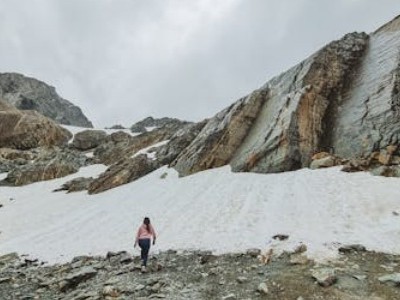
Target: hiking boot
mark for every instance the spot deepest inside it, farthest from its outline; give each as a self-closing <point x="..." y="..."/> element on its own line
<point x="143" y="269"/>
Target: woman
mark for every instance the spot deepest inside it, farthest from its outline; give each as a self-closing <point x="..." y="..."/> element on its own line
<point x="143" y="238"/>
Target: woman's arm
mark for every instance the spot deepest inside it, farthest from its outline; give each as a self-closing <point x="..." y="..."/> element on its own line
<point x="153" y="232"/>
<point x="137" y="237"/>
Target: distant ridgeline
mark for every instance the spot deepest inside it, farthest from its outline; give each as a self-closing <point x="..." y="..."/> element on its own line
<point x="27" y="93"/>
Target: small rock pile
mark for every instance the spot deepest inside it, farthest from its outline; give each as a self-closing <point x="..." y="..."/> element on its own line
<point x="379" y="163"/>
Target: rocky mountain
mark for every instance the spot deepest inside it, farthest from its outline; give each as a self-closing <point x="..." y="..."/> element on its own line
<point x="340" y="106"/>
<point x="344" y="100"/>
<point x="27" y="93"/>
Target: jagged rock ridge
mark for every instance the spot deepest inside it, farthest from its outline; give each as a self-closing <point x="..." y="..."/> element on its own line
<point x="27" y="93"/>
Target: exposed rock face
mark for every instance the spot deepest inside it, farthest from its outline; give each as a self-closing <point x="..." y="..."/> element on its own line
<point x="76" y="185"/>
<point x="127" y="165"/>
<point x="369" y="115"/>
<point x="49" y="164"/>
<point x="158" y="123"/>
<point x="29" y="129"/>
<point x="178" y="142"/>
<point x="27" y="93"/>
<point x="294" y="122"/>
<point x="123" y="172"/>
<point x="280" y="126"/>
<point x="89" y="139"/>
<point x="221" y="136"/>
<point x="121" y="145"/>
<point x="344" y="100"/>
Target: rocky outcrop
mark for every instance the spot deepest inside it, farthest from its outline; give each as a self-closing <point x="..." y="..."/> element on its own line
<point x="127" y="164"/>
<point x="121" y="145"/>
<point x="123" y="172"/>
<point x="178" y="142"/>
<point x="27" y="93"/>
<point x="29" y="129"/>
<point x="217" y="142"/>
<point x="150" y="122"/>
<point x="294" y="122"/>
<point x="49" y="164"/>
<point x="343" y="100"/>
<point x="280" y="126"/>
<point x="88" y="139"/>
<point x="76" y="185"/>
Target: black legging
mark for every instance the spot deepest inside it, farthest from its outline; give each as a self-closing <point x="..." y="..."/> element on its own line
<point x="144" y="244"/>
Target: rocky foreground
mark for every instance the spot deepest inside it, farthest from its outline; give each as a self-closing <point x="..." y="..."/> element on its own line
<point x="358" y="274"/>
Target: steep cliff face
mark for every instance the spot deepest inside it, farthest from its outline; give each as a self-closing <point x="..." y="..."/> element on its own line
<point x="27" y="93"/>
<point x="369" y="117"/>
<point x="281" y="125"/>
<point x="344" y="99"/>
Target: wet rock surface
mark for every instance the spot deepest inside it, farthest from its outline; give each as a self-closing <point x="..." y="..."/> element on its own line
<point x="187" y="275"/>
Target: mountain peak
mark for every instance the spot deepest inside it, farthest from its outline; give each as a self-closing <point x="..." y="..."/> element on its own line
<point x="27" y="93"/>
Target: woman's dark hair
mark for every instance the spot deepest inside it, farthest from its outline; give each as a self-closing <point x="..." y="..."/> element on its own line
<point x="146" y="222"/>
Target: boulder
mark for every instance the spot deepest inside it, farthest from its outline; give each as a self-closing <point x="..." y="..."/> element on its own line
<point x="35" y="173"/>
<point x="298" y="259"/>
<point x="356" y="165"/>
<point x="74" y="279"/>
<point x="263" y="288"/>
<point x="76" y="185"/>
<point x="326" y="162"/>
<point x="28" y="129"/>
<point x="386" y="171"/>
<point x="352" y="248"/>
<point x="50" y="164"/>
<point x="324" y="276"/>
<point x="119" y="136"/>
<point x="88" y="139"/>
<point x="123" y="172"/>
<point x="320" y="155"/>
<point x="393" y="278"/>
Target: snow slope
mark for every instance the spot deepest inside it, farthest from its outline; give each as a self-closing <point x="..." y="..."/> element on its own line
<point x="216" y="209"/>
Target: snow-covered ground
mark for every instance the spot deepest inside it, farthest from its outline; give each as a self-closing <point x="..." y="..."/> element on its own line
<point x="216" y="209"/>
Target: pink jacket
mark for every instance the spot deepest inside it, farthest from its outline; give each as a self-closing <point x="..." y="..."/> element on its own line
<point x="144" y="234"/>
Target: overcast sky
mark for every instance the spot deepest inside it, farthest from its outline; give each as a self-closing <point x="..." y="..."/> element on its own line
<point x="123" y="60"/>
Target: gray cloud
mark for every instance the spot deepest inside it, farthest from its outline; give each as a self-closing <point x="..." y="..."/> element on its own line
<point x="122" y="60"/>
